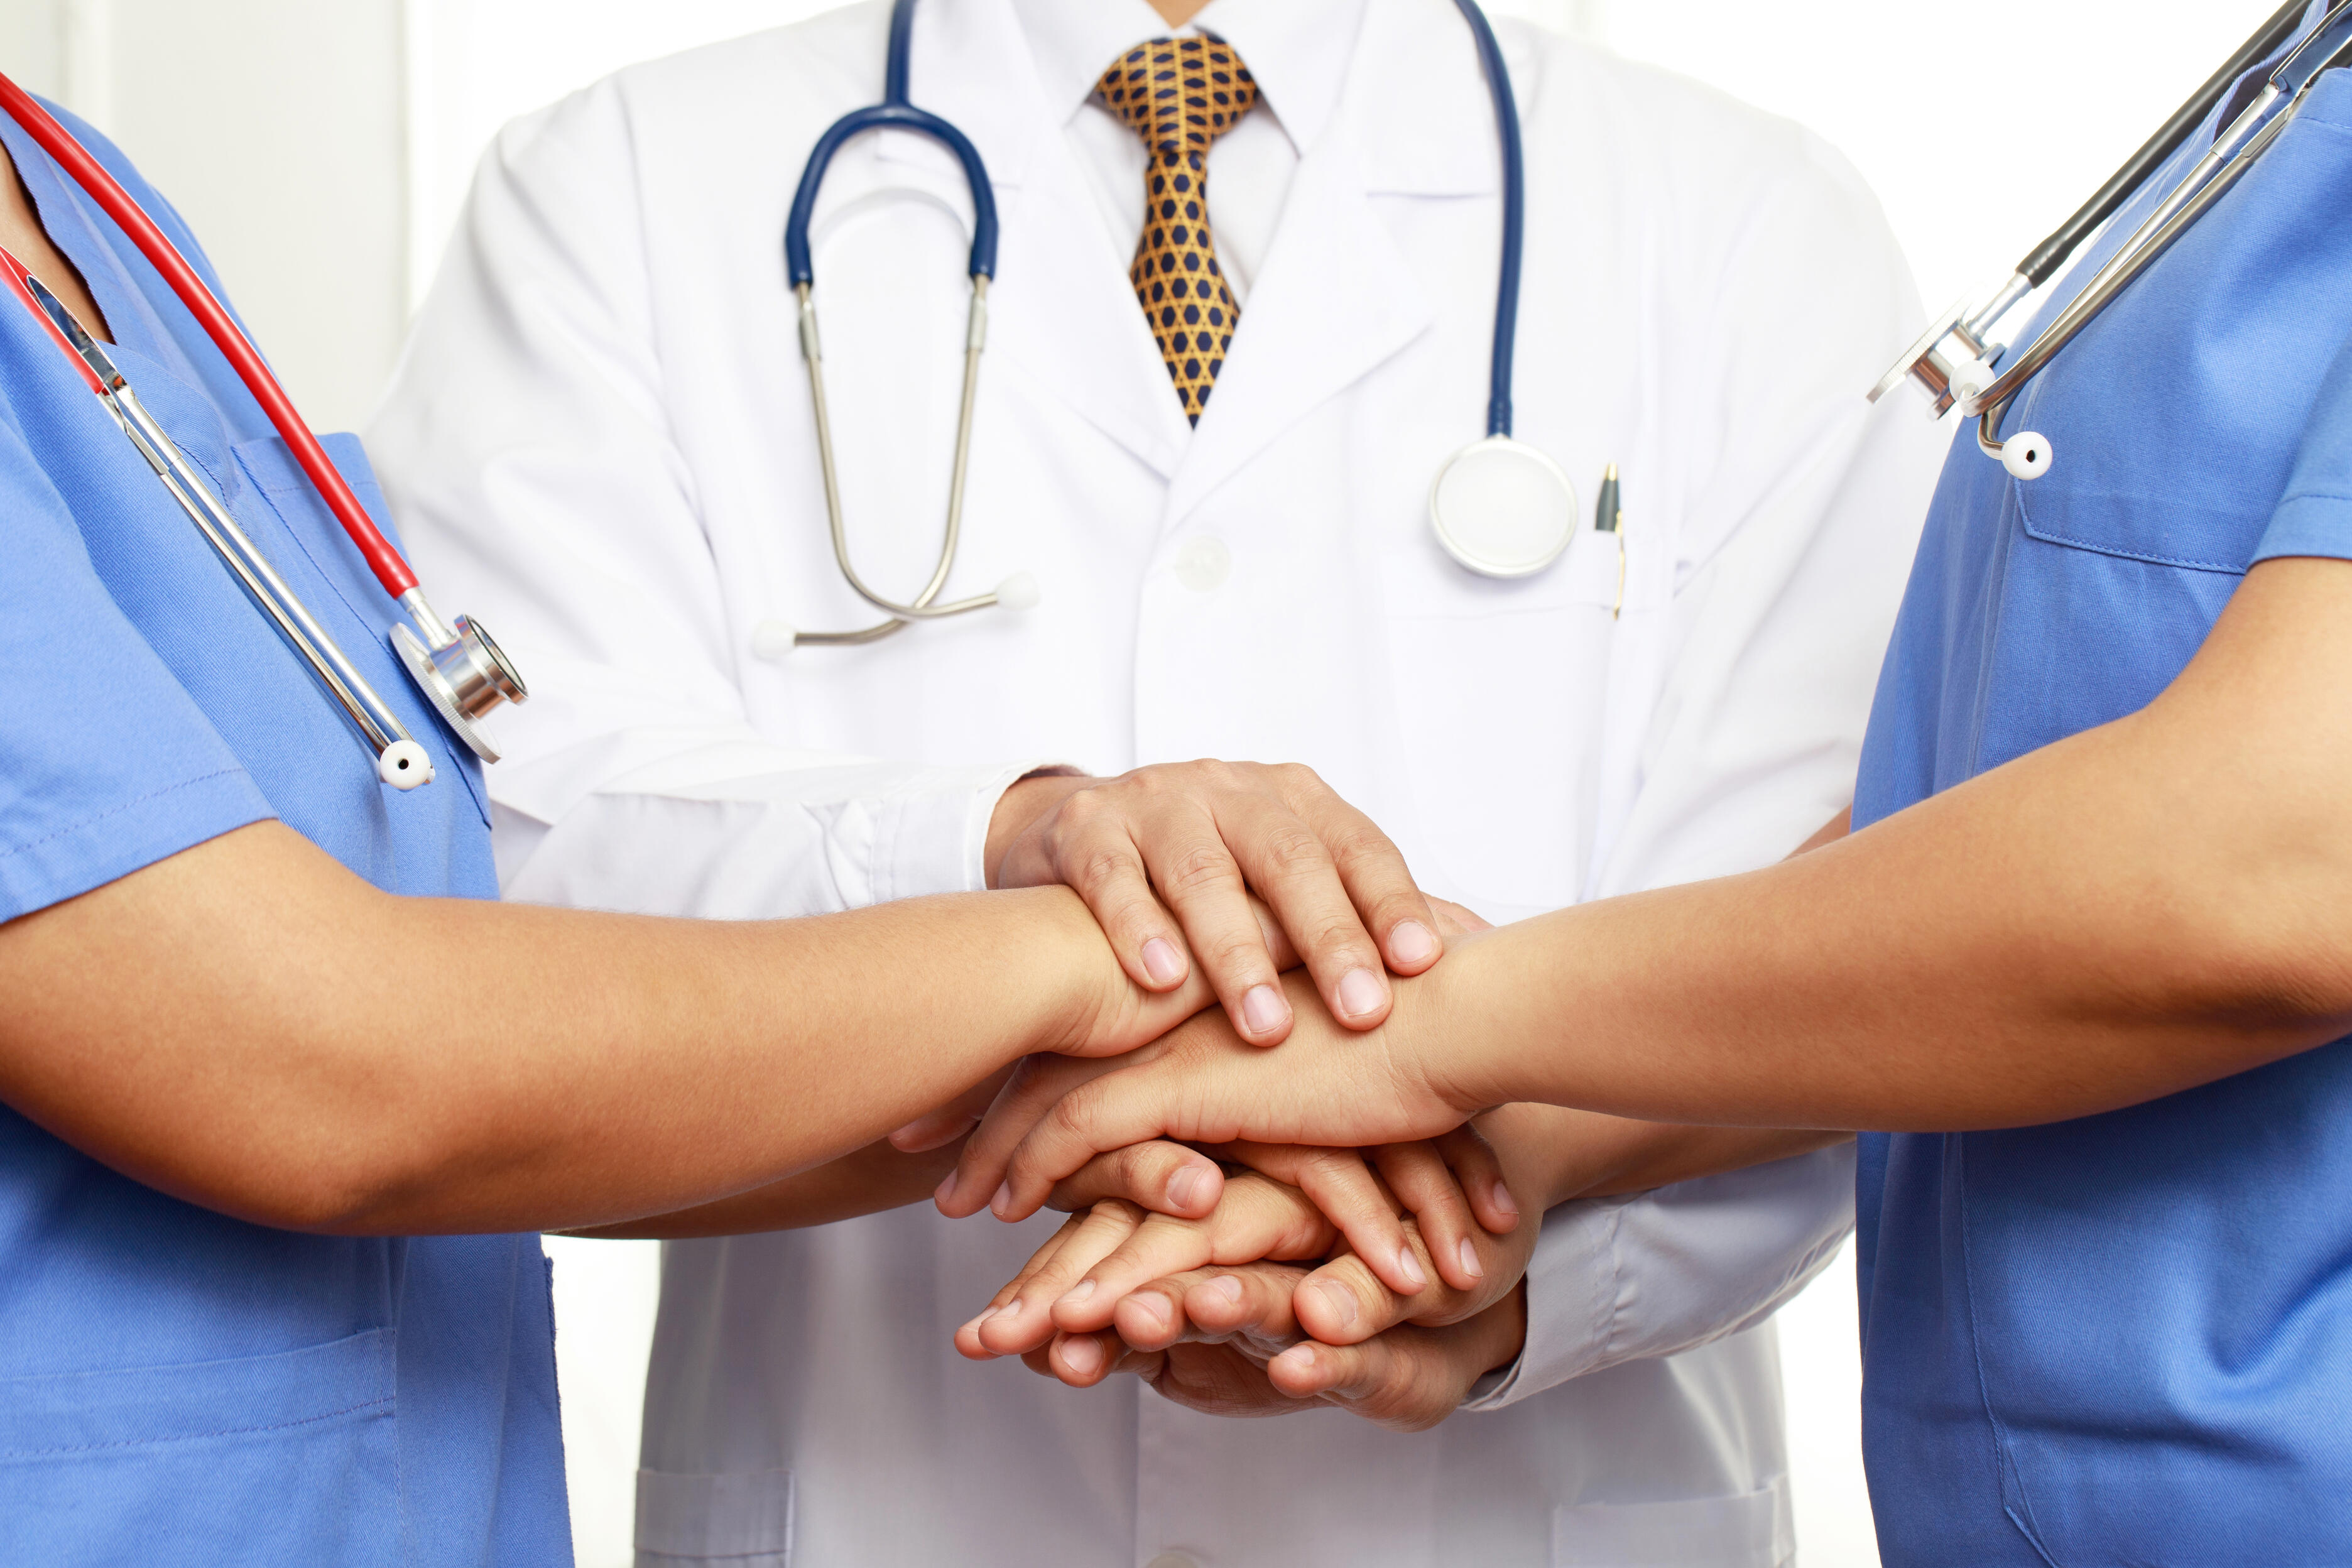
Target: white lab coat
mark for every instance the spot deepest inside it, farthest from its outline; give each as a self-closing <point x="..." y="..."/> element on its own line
<point x="601" y="443"/>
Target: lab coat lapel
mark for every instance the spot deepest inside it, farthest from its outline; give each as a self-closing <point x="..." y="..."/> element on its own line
<point x="1061" y="313"/>
<point x="1067" y="315"/>
<point x="1335" y="298"/>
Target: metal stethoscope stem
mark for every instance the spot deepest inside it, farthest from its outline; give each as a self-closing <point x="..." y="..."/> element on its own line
<point x="1499" y="507"/>
<point x="1951" y="361"/>
<point x="458" y="668"/>
<point x="921" y="606"/>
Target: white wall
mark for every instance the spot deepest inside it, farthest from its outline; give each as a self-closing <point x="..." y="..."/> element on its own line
<point x="246" y="112"/>
<point x="322" y="149"/>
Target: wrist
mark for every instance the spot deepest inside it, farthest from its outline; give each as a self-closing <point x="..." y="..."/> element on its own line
<point x="1024" y="800"/>
<point x="1439" y="1036"/>
<point x="1086" y="990"/>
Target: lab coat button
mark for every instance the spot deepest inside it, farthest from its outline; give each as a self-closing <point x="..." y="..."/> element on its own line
<point x="1175" y="1559"/>
<point x="1202" y="563"/>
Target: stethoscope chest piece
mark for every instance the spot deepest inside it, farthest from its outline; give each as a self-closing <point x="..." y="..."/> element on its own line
<point x="1502" y="509"/>
<point x="464" y="678"/>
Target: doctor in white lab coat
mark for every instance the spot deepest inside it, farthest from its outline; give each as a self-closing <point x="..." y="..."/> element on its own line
<point x="602" y="436"/>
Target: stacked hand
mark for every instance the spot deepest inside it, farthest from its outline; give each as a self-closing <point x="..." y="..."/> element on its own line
<point x="1271" y="1302"/>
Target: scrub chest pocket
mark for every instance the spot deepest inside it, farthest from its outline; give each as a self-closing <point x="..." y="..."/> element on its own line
<point x="288" y="1458"/>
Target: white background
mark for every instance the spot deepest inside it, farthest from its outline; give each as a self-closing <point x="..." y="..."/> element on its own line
<point x="322" y="150"/>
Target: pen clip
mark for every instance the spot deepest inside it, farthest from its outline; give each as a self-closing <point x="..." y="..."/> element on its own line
<point x="1609" y="517"/>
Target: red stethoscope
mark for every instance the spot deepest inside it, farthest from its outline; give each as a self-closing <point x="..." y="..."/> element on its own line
<point x="459" y="669"/>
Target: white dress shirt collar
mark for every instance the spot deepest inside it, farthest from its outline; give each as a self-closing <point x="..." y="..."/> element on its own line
<point x="1297" y="49"/>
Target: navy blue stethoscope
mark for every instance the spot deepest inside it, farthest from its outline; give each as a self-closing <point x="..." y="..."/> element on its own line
<point x="1498" y="506"/>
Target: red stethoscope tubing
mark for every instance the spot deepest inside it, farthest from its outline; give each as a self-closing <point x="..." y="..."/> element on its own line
<point x="117" y="203"/>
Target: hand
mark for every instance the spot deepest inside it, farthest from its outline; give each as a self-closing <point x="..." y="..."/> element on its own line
<point x="1297" y="1203"/>
<point x="1201" y="836"/>
<point x="1111" y="1269"/>
<point x="1200" y="1083"/>
<point x="1232" y="1347"/>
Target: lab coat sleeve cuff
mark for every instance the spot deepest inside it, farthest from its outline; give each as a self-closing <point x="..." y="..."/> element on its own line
<point x="1571" y="1283"/>
<point x="1620" y="1280"/>
<point x="935" y="839"/>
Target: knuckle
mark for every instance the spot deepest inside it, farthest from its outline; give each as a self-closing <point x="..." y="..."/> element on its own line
<point x="1219" y="774"/>
<point x="1356" y="843"/>
<point x="1298" y="778"/>
<point x="1070" y="1117"/>
<point x="1083" y="808"/>
<point x="1294" y="850"/>
<point x="1202" y="866"/>
<point x="1099" y="866"/>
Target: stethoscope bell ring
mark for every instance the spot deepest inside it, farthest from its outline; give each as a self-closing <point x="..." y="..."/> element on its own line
<point x="1502" y="509"/>
<point x="464" y="678"/>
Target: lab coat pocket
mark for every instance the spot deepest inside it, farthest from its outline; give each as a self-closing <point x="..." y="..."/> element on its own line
<point x="1501" y="693"/>
<point x="287" y="1458"/>
<point x="1751" y="1530"/>
<point x="744" y="1519"/>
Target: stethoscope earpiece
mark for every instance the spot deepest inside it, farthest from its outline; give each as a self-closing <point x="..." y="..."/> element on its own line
<point x="1018" y="592"/>
<point x="405" y="764"/>
<point x="2026" y="455"/>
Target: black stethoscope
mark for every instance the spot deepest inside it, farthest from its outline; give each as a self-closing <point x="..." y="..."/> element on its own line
<point x="1498" y="506"/>
<point x="460" y="671"/>
<point x="1953" y="361"/>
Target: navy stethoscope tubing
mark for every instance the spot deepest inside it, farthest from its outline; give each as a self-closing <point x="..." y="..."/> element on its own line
<point x="1514" y="213"/>
<point x="1498" y="507"/>
<point x="894" y="111"/>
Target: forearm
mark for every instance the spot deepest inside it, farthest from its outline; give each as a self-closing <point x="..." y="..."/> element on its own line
<point x="1555" y="1154"/>
<point x="248" y="1026"/>
<point x="865" y="1181"/>
<point x="2131" y="911"/>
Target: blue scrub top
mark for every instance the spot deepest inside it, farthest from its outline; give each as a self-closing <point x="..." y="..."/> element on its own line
<point x="178" y="1387"/>
<point x="2127" y="1339"/>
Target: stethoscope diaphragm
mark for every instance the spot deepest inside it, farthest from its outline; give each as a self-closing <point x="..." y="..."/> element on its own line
<point x="1503" y="509"/>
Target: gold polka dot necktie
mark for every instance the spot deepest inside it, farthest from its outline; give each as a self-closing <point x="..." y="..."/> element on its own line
<point x="1180" y="95"/>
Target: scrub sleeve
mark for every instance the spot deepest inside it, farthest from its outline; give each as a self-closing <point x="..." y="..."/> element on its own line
<point x="2125" y="1339"/>
<point x="179" y="1389"/>
<point x="106" y="763"/>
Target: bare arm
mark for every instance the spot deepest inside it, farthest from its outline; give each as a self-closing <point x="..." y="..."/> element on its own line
<point x="2148" y="906"/>
<point x="248" y="1026"/>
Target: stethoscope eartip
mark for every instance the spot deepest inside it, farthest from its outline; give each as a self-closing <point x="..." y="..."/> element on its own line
<point x="773" y="641"/>
<point x="2026" y="455"/>
<point x="404" y="765"/>
<point x="1018" y="592"/>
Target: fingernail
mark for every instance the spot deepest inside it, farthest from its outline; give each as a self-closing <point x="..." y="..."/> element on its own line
<point x="1001" y="1200"/>
<point x="1229" y="1286"/>
<point x="1262" y="1009"/>
<point x="1077" y="1293"/>
<point x="1412" y="942"/>
<point x="947" y="1185"/>
<point x="1470" y="1263"/>
<point x="1505" y="1203"/>
<point x="1010" y="1309"/>
<point x="1188" y="1188"/>
<point x="1300" y="1359"/>
<point x="974" y="1325"/>
<point x="1162" y="961"/>
<point x="1360" y="992"/>
<point x="1082" y="1355"/>
<point x="1409" y="1269"/>
<point x="1154" y="1310"/>
<point x="1342" y="1299"/>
